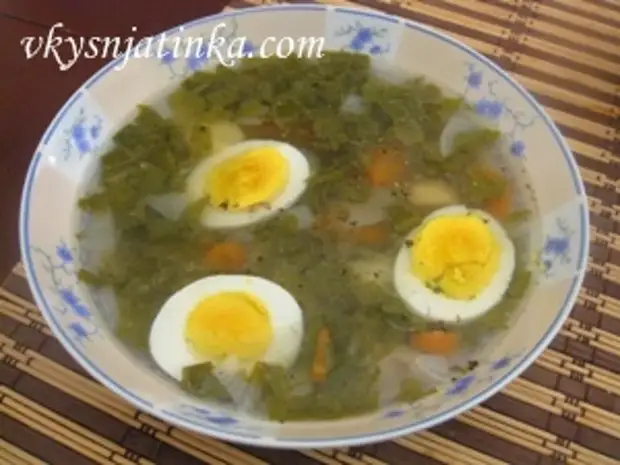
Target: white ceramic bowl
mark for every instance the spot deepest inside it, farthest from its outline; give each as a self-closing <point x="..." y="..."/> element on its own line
<point x="68" y="151"/>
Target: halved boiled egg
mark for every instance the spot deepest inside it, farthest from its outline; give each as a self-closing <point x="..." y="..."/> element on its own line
<point x="248" y="182"/>
<point x="455" y="266"/>
<point x="232" y="321"/>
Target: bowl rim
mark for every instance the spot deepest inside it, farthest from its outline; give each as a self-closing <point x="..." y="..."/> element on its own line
<point x="300" y="443"/>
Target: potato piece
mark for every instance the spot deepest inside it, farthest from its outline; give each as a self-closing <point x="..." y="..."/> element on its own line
<point x="432" y="193"/>
<point x="224" y="134"/>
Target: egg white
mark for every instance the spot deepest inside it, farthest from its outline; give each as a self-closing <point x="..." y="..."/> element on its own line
<point x="424" y="302"/>
<point x="213" y="217"/>
<point x="167" y="342"/>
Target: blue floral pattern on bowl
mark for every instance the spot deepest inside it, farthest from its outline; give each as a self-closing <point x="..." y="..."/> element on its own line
<point x="481" y="92"/>
<point x="556" y="250"/>
<point x="364" y="39"/>
<point x="560" y="250"/>
<point x="79" y="135"/>
<point x="83" y="136"/>
<point x="484" y="373"/>
<point x="60" y="265"/>
<point x="363" y="33"/>
<point x="203" y="416"/>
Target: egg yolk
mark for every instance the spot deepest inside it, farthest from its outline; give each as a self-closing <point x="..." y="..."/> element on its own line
<point x="229" y="324"/>
<point x="456" y="255"/>
<point x="251" y="178"/>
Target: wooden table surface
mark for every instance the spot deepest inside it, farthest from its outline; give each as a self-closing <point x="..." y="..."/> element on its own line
<point x="32" y="91"/>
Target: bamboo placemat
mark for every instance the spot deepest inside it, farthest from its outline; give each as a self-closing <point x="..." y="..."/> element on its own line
<point x="564" y="410"/>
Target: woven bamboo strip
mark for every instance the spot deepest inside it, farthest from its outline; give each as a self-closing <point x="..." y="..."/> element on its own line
<point x="555" y="402"/>
<point x="596" y="206"/>
<point x="609" y="429"/>
<point x="587" y="369"/>
<point x="610" y="302"/>
<point x="596" y="417"/>
<point x="548" y="89"/>
<point x="18" y="300"/>
<point x="439" y="453"/>
<point x="592" y="343"/>
<point x="320" y="457"/>
<point x="25" y="316"/>
<point x="576" y="56"/>
<point x="459" y="450"/>
<point x="493" y="9"/>
<point x="148" y="420"/>
<point x="55" y="432"/>
<point x="21" y="317"/>
<point x="578" y="36"/>
<point x="65" y="375"/>
<point x="19" y="402"/>
<point x="99" y="397"/>
<point x="188" y="449"/>
<point x="349" y="460"/>
<point x="8" y="459"/>
<point x="217" y="449"/>
<point x="80" y="390"/>
<point x="554" y="71"/>
<point x="598" y="334"/>
<point x="456" y="18"/>
<point x="369" y="460"/>
<point x="612" y="4"/>
<point x="612" y="272"/>
<point x="77" y="437"/>
<point x="591" y="177"/>
<point x="343" y="458"/>
<point x="514" y="423"/>
<point x="33" y="315"/>
<point x="19" y="453"/>
<point x="595" y="8"/>
<point x="595" y="380"/>
<point x="588" y="150"/>
<point x="339" y="3"/>
<point x="579" y="124"/>
<point x="514" y="436"/>
<point x="17" y="309"/>
<point x="590" y="456"/>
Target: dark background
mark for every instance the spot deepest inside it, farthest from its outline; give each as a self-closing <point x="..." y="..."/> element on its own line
<point x="32" y="91"/>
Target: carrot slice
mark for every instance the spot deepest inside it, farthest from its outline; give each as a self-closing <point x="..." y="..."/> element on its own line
<point x="320" y="362"/>
<point x="372" y="234"/>
<point x="226" y="257"/>
<point x="501" y="206"/>
<point x="386" y="167"/>
<point x="436" y="342"/>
